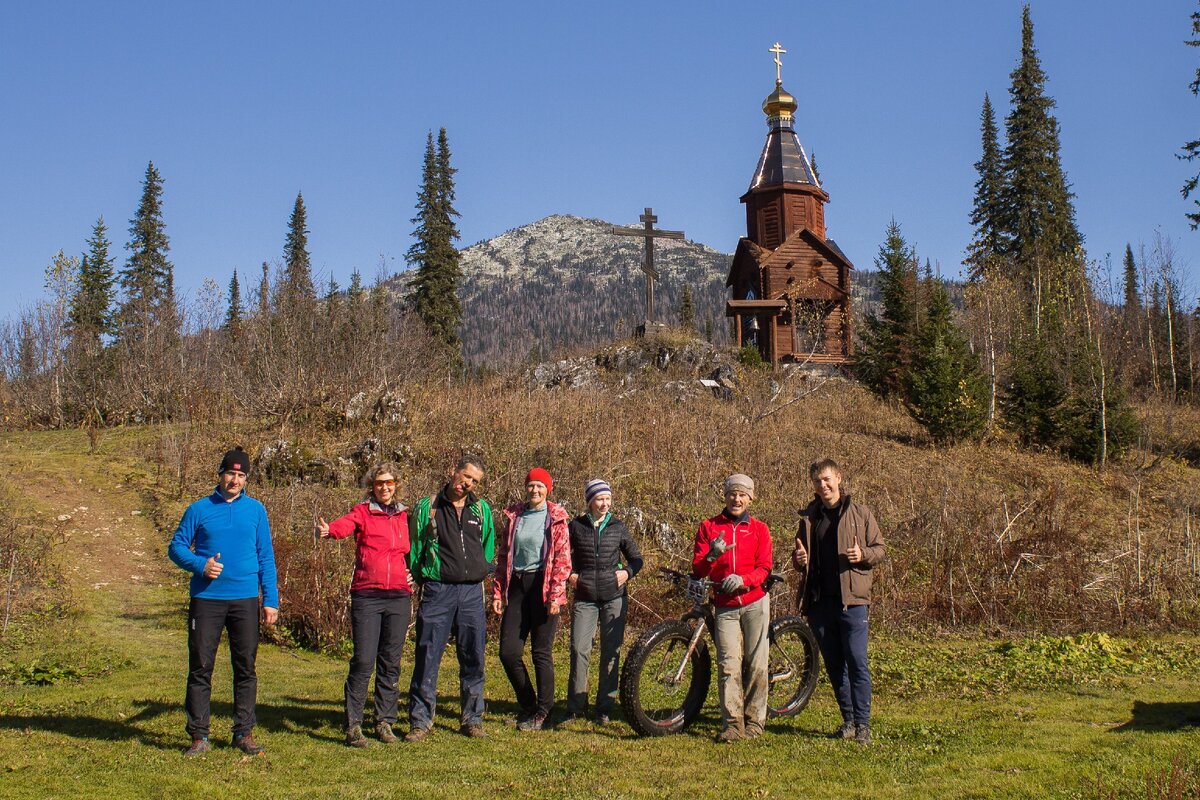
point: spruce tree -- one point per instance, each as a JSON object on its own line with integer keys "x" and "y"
{"x": 332, "y": 301}
{"x": 233, "y": 317}
{"x": 432, "y": 254}
{"x": 947, "y": 391}
{"x": 1133, "y": 298}
{"x": 886, "y": 353}
{"x": 687, "y": 310}
{"x": 1039, "y": 218}
{"x": 91, "y": 314}
{"x": 264, "y": 293}
{"x": 297, "y": 295}
{"x": 1191, "y": 150}
{"x": 987, "y": 214}
{"x": 1034, "y": 394}
{"x": 148, "y": 280}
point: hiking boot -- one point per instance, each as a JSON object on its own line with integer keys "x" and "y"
{"x": 416, "y": 735}
{"x": 198, "y": 748}
{"x": 847, "y": 731}
{"x": 533, "y": 723}
{"x": 730, "y": 734}
{"x": 355, "y": 738}
{"x": 473, "y": 730}
{"x": 601, "y": 719}
{"x": 384, "y": 733}
{"x": 753, "y": 731}
{"x": 863, "y": 734}
{"x": 248, "y": 746}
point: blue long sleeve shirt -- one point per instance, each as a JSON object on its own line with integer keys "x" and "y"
{"x": 239, "y": 531}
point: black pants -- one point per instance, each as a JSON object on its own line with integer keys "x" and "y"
{"x": 378, "y": 626}
{"x": 206, "y": 620}
{"x": 525, "y": 614}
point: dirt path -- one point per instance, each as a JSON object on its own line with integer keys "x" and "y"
{"x": 114, "y": 558}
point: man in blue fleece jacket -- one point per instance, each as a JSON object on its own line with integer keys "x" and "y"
{"x": 224, "y": 540}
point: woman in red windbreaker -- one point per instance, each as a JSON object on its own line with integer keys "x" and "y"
{"x": 380, "y": 600}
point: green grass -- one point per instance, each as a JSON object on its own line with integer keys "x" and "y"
{"x": 954, "y": 716}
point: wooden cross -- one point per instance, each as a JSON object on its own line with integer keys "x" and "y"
{"x": 778, "y": 51}
{"x": 649, "y": 232}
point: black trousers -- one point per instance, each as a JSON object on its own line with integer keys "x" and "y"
{"x": 206, "y": 620}
{"x": 378, "y": 626}
{"x": 526, "y": 614}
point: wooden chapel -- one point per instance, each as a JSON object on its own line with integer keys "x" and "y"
{"x": 790, "y": 285}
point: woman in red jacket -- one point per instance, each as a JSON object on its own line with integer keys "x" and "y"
{"x": 733, "y": 550}
{"x": 380, "y": 600}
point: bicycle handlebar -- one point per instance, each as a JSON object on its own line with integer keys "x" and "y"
{"x": 679, "y": 578}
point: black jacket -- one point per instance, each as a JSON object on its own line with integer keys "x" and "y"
{"x": 596, "y": 558}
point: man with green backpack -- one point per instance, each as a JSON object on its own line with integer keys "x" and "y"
{"x": 453, "y": 544}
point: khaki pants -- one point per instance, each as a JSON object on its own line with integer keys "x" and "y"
{"x": 742, "y": 651}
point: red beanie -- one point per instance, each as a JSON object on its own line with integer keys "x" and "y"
{"x": 541, "y": 476}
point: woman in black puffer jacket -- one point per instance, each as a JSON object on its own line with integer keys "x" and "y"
{"x": 604, "y": 557}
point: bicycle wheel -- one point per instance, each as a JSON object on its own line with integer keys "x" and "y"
{"x": 659, "y": 697}
{"x": 794, "y": 666}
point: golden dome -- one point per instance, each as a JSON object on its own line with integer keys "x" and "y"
{"x": 779, "y": 103}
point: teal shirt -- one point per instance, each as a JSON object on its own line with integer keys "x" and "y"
{"x": 528, "y": 540}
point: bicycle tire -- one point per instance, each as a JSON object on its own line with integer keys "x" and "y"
{"x": 794, "y": 666}
{"x": 653, "y": 702}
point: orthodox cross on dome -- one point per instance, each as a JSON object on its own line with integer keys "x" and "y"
{"x": 650, "y": 233}
{"x": 778, "y": 51}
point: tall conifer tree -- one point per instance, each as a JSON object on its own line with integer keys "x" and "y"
{"x": 1133, "y": 298}
{"x": 91, "y": 314}
{"x": 433, "y": 255}
{"x": 946, "y": 389}
{"x": 148, "y": 279}
{"x": 987, "y": 215}
{"x": 889, "y": 337}
{"x": 233, "y": 317}
{"x": 1038, "y": 212}
{"x": 297, "y": 295}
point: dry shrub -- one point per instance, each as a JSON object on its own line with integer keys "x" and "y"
{"x": 978, "y": 535}
{"x": 25, "y": 553}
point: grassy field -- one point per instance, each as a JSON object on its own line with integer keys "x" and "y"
{"x": 955, "y": 716}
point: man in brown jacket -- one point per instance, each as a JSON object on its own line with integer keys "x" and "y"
{"x": 837, "y": 545}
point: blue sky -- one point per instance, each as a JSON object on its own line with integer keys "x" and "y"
{"x": 558, "y": 107}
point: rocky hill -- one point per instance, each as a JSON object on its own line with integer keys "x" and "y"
{"x": 565, "y": 281}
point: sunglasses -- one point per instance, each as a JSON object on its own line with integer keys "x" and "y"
{"x": 385, "y": 484}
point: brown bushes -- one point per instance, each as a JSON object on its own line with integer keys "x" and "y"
{"x": 980, "y": 535}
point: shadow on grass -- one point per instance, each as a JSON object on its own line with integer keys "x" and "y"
{"x": 318, "y": 721}
{"x": 89, "y": 727}
{"x": 1160, "y": 717}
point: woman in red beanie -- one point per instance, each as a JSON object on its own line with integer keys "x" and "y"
{"x": 533, "y": 562}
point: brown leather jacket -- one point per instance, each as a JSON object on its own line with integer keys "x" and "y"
{"x": 857, "y": 525}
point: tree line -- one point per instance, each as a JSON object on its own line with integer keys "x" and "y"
{"x": 1050, "y": 347}
{"x": 113, "y": 344}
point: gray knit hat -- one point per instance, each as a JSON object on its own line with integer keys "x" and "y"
{"x": 740, "y": 483}
{"x": 595, "y": 488}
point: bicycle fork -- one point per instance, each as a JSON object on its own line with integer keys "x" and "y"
{"x": 693, "y": 643}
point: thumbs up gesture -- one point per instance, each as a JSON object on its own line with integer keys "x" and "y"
{"x": 322, "y": 528}
{"x": 213, "y": 567}
{"x": 800, "y": 555}
{"x": 855, "y": 554}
